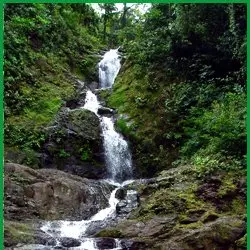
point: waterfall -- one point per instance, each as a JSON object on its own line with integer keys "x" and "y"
{"x": 117, "y": 155}
{"x": 117, "y": 160}
{"x": 91, "y": 102}
{"x": 109, "y": 67}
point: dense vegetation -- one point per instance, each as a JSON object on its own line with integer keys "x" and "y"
{"x": 45, "y": 44}
{"x": 179, "y": 100}
{"x": 183, "y": 87}
{"x": 181, "y": 93}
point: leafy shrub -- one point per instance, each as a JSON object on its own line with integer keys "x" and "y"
{"x": 85, "y": 152}
{"x": 63, "y": 154}
{"x": 221, "y": 128}
{"x": 217, "y": 136}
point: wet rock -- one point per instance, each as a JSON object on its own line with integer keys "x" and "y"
{"x": 121, "y": 194}
{"x": 96, "y": 226}
{"x": 105, "y": 243}
{"x": 47, "y": 193}
{"x": 93, "y": 86}
{"x": 105, "y": 111}
{"x": 42, "y": 238}
{"x": 120, "y": 206}
{"x": 133, "y": 245}
{"x": 30, "y": 247}
{"x": 124, "y": 207}
{"x": 69, "y": 242}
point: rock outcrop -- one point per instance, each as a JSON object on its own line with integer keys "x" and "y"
{"x": 51, "y": 194}
{"x": 74, "y": 144}
{"x": 179, "y": 212}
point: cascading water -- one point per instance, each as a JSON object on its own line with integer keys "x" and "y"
{"x": 117, "y": 159}
{"x": 117, "y": 155}
{"x": 91, "y": 102}
{"x": 109, "y": 67}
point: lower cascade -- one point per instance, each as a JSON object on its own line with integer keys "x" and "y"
{"x": 118, "y": 162}
{"x": 117, "y": 155}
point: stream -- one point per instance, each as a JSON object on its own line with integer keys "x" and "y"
{"x": 118, "y": 162}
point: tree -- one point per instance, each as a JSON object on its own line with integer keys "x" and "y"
{"x": 109, "y": 9}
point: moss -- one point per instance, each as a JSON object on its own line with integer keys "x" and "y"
{"x": 209, "y": 216}
{"x": 225, "y": 231}
{"x": 190, "y": 198}
{"x": 124, "y": 127}
{"x": 104, "y": 94}
{"x": 113, "y": 233}
{"x": 16, "y": 177}
{"x": 242, "y": 242}
{"x": 238, "y": 206}
{"x": 18, "y": 232}
{"x": 227, "y": 187}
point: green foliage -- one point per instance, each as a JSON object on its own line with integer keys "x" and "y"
{"x": 43, "y": 44}
{"x": 86, "y": 153}
{"x": 217, "y": 137}
{"x": 206, "y": 164}
{"x": 123, "y": 126}
{"x": 183, "y": 85}
{"x": 63, "y": 154}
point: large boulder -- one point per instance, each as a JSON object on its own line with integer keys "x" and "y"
{"x": 51, "y": 194}
{"x": 105, "y": 243}
{"x": 74, "y": 144}
{"x": 220, "y": 234}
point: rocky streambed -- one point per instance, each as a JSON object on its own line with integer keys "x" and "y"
{"x": 175, "y": 211}
{"x": 32, "y": 197}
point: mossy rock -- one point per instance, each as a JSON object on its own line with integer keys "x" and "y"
{"x": 113, "y": 233}
{"x": 16, "y": 232}
{"x": 193, "y": 225}
{"x": 242, "y": 243}
{"x": 84, "y": 123}
{"x": 103, "y": 95}
{"x": 209, "y": 216}
{"x": 227, "y": 188}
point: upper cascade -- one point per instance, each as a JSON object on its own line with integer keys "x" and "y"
{"x": 91, "y": 102}
{"x": 109, "y": 67}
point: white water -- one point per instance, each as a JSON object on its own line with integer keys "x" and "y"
{"x": 109, "y": 67}
{"x": 117, "y": 158}
{"x": 76, "y": 229}
{"x": 117, "y": 155}
{"x": 91, "y": 102}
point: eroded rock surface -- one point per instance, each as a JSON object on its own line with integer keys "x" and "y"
{"x": 51, "y": 194}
